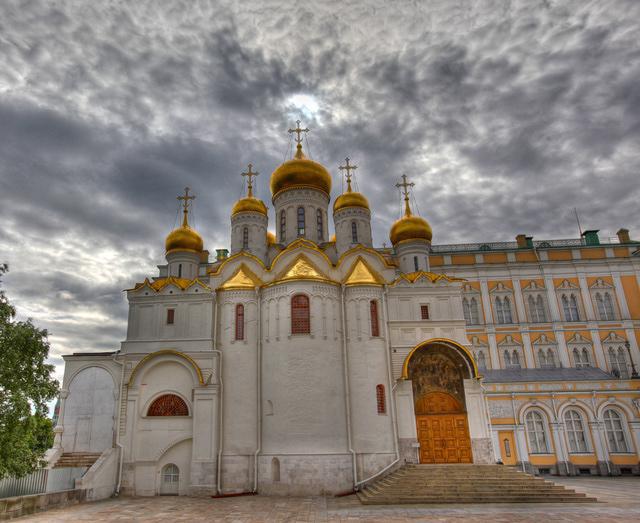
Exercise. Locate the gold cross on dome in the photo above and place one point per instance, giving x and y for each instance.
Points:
(298, 131)
(250, 174)
(186, 203)
(405, 191)
(348, 168)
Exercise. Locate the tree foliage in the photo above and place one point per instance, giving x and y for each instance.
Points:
(26, 386)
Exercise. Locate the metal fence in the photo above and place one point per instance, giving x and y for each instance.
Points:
(40, 481)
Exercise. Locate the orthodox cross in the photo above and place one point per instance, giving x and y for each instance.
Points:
(250, 174)
(348, 167)
(405, 191)
(185, 204)
(298, 131)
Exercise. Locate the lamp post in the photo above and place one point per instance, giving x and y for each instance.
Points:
(634, 373)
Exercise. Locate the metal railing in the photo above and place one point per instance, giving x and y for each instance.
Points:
(41, 481)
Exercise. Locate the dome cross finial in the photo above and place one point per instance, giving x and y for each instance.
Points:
(298, 139)
(250, 174)
(186, 203)
(405, 191)
(348, 168)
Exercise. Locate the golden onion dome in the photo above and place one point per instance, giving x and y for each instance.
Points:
(300, 171)
(184, 238)
(332, 239)
(410, 228)
(350, 199)
(249, 204)
(271, 238)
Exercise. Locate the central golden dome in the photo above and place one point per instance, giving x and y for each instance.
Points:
(184, 238)
(300, 172)
(249, 204)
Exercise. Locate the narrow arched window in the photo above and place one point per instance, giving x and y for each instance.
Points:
(618, 363)
(300, 318)
(179, 270)
(507, 358)
(381, 399)
(475, 314)
(608, 306)
(320, 225)
(481, 360)
(616, 437)
(573, 306)
(300, 221)
(542, 315)
(466, 310)
(354, 232)
(551, 358)
(245, 238)
(416, 266)
(536, 433)
(283, 225)
(168, 405)
(605, 306)
(542, 360)
(575, 431)
(239, 321)
(373, 310)
(515, 359)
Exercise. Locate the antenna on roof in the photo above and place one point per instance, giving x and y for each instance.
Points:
(575, 210)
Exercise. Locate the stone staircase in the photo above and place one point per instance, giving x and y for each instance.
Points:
(465, 484)
(77, 459)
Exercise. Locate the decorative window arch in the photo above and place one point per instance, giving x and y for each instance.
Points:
(547, 358)
(614, 429)
(301, 220)
(168, 405)
(373, 311)
(354, 232)
(245, 238)
(170, 473)
(320, 225)
(581, 357)
(283, 225)
(381, 400)
(511, 359)
(536, 432)
(570, 307)
(239, 322)
(503, 310)
(537, 310)
(576, 433)
(300, 314)
(605, 306)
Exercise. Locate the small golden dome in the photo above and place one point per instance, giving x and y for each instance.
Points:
(249, 204)
(333, 238)
(300, 172)
(410, 227)
(350, 199)
(271, 238)
(184, 238)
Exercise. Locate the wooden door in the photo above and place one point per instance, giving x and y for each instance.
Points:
(508, 447)
(444, 438)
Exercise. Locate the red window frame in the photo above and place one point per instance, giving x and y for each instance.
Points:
(168, 405)
(381, 400)
(373, 310)
(171, 316)
(300, 314)
(239, 322)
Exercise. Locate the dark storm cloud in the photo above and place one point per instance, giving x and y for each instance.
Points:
(506, 114)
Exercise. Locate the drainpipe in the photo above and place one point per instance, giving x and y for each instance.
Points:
(259, 391)
(221, 400)
(347, 394)
(118, 444)
(515, 420)
(392, 388)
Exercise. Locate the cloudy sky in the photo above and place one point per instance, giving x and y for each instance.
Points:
(506, 115)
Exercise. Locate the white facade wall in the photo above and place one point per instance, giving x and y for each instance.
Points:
(413, 256)
(311, 200)
(343, 220)
(256, 225)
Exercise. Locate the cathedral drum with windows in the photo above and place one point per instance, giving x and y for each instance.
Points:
(307, 364)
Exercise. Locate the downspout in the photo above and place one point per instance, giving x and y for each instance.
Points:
(118, 444)
(515, 420)
(259, 392)
(221, 400)
(392, 388)
(347, 392)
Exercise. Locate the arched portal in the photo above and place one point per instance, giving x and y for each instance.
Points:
(437, 372)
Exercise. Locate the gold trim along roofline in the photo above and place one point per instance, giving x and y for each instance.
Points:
(413, 277)
(299, 186)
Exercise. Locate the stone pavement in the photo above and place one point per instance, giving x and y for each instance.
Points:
(620, 501)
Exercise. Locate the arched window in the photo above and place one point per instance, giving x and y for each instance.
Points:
(581, 357)
(536, 433)
(481, 360)
(380, 399)
(616, 437)
(170, 476)
(320, 225)
(605, 306)
(354, 232)
(575, 431)
(542, 359)
(503, 310)
(300, 221)
(283, 225)
(239, 321)
(570, 308)
(546, 358)
(507, 358)
(179, 270)
(466, 310)
(475, 315)
(373, 310)
(168, 405)
(245, 238)
(618, 362)
(416, 266)
(608, 306)
(300, 320)
(536, 309)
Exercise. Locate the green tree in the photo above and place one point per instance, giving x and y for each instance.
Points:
(26, 386)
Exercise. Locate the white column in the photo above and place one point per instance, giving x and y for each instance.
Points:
(563, 351)
(486, 302)
(528, 351)
(552, 299)
(520, 310)
(493, 351)
(521, 443)
(622, 299)
(601, 360)
(586, 298)
(558, 443)
(635, 434)
(59, 428)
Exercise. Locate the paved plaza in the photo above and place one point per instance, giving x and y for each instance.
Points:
(619, 500)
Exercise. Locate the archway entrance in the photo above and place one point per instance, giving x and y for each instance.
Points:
(437, 371)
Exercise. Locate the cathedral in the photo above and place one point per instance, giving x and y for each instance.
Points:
(303, 362)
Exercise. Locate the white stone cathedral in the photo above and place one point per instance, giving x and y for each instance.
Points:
(287, 366)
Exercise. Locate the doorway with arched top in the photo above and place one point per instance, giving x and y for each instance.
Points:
(437, 372)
